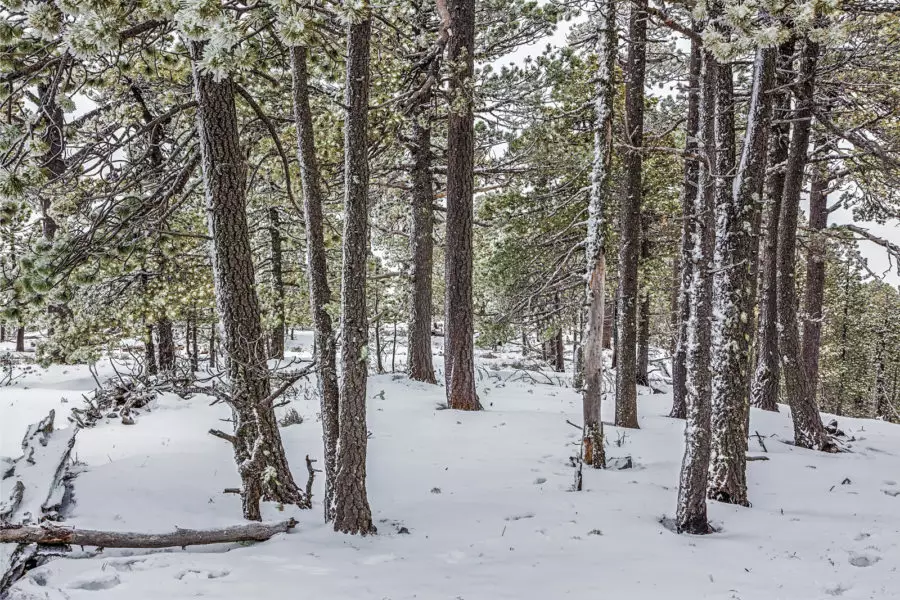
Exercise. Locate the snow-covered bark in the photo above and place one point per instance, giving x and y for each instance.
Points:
(258, 451)
(691, 510)
(688, 224)
(605, 20)
(459, 323)
(764, 388)
(735, 285)
(629, 219)
(808, 429)
(351, 503)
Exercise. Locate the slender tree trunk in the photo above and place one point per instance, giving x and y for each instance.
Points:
(814, 296)
(688, 228)
(212, 345)
(808, 429)
(2, 333)
(257, 442)
(691, 516)
(149, 351)
(642, 365)
(459, 322)
(351, 503)
(737, 250)
(20, 339)
(379, 364)
(421, 241)
(629, 220)
(394, 349)
(195, 350)
(276, 335)
(320, 296)
(165, 341)
(559, 350)
(593, 450)
(764, 388)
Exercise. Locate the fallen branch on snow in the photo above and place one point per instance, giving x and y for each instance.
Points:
(55, 535)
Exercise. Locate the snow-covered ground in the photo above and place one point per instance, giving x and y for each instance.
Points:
(485, 498)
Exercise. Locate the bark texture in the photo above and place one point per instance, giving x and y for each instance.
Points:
(257, 445)
(351, 503)
(317, 269)
(808, 429)
(459, 346)
(421, 241)
(764, 389)
(165, 344)
(629, 220)
(735, 286)
(276, 334)
(688, 227)
(691, 516)
(814, 296)
(593, 451)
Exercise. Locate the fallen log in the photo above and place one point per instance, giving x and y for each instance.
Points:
(56, 535)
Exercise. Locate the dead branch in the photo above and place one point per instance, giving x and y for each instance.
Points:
(54, 535)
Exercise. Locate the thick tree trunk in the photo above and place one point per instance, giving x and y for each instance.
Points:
(276, 335)
(814, 296)
(688, 227)
(691, 514)
(421, 242)
(20, 339)
(351, 504)
(593, 451)
(764, 388)
(257, 442)
(629, 220)
(320, 297)
(165, 343)
(808, 429)
(459, 321)
(737, 251)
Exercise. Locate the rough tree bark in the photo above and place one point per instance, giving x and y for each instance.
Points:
(149, 351)
(260, 457)
(808, 429)
(737, 250)
(691, 510)
(814, 296)
(688, 226)
(593, 452)
(629, 220)
(165, 343)
(276, 335)
(351, 504)
(642, 365)
(421, 241)
(459, 320)
(20, 339)
(764, 388)
(317, 269)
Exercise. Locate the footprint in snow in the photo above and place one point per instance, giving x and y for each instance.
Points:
(864, 559)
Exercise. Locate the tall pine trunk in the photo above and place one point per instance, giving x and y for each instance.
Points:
(737, 251)
(593, 451)
(276, 335)
(814, 296)
(165, 342)
(808, 429)
(320, 296)
(691, 516)
(421, 241)
(459, 321)
(688, 228)
(260, 457)
(351, 503)
(764, 388)
(629, 220)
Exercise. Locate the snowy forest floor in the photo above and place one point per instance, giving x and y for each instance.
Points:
(485, 499)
